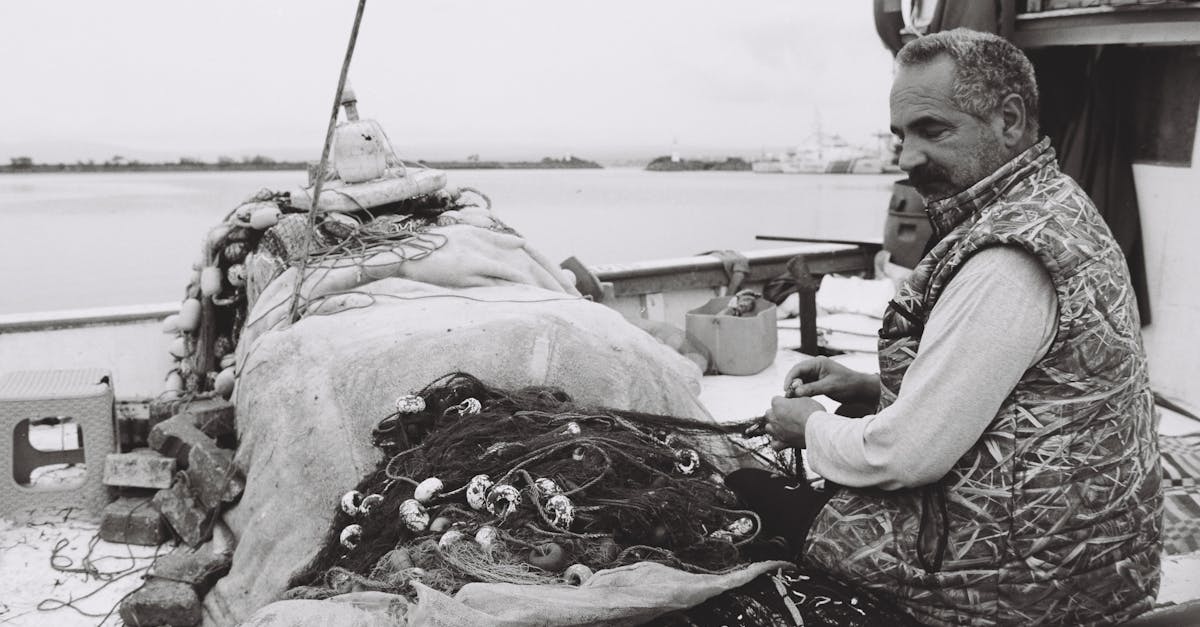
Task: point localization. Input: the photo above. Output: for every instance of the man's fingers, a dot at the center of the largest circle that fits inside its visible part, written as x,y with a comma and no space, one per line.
758,428
807,370
816,388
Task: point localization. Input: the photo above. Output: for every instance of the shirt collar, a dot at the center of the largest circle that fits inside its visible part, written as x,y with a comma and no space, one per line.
947,213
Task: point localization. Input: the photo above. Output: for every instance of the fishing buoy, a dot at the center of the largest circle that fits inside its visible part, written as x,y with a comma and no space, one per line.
428,490
189,316
450,537
236,275
170,324
359,151
410,404
562,511
477,490
369,503
350,536
223,385
241,215
724,535
503,500
228,361
468,407
265,216
179,348
350,502
174,382
193,285
488,537
686,461
414,515
210,281
547,486
439,524
741,527
577,574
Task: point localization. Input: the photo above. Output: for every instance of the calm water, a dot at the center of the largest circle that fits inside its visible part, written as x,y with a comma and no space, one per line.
97,240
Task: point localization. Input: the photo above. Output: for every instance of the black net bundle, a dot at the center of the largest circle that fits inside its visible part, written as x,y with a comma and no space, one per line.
568,490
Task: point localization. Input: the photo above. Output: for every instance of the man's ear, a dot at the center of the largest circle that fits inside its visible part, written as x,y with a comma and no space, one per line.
1014,119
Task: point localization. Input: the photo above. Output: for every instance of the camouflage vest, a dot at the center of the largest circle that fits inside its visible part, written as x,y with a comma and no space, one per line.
1053,517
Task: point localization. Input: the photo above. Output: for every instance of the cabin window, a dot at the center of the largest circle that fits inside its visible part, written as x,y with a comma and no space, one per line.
1166,105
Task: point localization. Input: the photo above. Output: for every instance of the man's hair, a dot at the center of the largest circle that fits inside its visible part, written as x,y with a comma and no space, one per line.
987,69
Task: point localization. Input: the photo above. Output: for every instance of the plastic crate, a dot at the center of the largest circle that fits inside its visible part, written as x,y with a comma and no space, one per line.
30,396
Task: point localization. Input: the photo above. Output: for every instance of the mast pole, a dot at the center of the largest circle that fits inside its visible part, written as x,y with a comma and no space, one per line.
294,313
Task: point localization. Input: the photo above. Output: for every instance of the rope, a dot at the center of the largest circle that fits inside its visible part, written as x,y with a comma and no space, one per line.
337,103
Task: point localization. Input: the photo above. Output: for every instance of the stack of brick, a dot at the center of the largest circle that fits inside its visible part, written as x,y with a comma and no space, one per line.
177,582
189,467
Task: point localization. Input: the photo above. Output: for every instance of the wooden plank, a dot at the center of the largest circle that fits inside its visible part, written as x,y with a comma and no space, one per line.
652,279
73,318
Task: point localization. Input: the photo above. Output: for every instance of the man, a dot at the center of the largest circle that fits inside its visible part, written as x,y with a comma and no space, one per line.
1011,472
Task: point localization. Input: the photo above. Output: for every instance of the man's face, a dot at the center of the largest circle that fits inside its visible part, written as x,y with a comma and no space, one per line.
944,149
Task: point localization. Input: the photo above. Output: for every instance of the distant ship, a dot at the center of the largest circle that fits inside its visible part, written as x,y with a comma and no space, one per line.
828,154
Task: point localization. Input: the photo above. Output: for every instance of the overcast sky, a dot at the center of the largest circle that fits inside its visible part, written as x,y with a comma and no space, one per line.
503,78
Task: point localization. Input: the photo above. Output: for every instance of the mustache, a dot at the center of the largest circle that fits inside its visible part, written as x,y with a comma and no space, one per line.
927,174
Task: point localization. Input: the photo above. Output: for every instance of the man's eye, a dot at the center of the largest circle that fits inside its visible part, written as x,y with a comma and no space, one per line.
935,132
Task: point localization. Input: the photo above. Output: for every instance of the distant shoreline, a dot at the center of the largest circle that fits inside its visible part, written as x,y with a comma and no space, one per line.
675,164
263,164
41,168
570,163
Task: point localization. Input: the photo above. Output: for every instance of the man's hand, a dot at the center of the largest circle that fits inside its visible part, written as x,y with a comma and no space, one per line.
786,419
823,376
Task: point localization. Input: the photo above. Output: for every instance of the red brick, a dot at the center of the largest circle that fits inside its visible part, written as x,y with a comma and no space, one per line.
186,515
200,567
213,416
130,520
175,438
212,475
140,468
162,602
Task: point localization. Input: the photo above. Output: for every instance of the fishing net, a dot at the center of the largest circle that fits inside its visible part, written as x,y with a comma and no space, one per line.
484,485
528,487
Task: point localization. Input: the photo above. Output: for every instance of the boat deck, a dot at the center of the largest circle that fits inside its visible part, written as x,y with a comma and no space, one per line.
56,571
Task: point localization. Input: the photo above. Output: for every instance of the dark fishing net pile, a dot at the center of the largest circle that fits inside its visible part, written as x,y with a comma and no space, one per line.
568,490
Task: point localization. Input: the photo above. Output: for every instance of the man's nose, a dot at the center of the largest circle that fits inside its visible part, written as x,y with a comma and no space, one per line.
911,156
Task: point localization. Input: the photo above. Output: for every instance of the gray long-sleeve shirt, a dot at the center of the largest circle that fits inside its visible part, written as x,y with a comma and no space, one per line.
996,318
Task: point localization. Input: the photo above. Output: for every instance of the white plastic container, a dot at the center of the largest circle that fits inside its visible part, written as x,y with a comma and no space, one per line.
740,345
